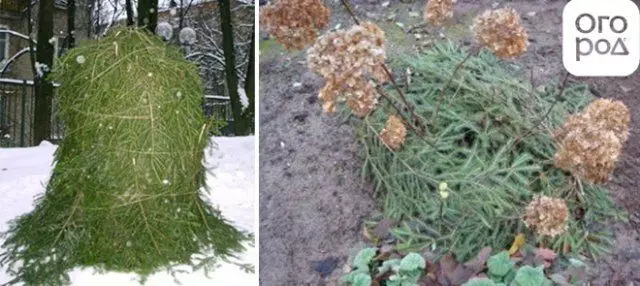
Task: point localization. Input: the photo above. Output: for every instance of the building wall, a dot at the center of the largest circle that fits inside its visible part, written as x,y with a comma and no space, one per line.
16,100
21,68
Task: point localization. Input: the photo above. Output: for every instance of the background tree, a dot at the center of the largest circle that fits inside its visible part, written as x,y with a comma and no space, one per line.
240,123
129,8
71,24
208,51
249,84
44,61
183,13
148,14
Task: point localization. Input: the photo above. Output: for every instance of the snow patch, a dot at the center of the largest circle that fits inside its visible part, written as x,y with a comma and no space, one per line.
244,100
41,69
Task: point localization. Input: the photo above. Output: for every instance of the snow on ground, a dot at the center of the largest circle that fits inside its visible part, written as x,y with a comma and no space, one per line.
25,171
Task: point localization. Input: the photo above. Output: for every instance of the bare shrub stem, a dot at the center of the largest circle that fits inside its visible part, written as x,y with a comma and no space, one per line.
546,114
416,120
444,88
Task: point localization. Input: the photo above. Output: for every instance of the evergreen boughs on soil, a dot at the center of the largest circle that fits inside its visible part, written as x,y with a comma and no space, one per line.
126,193
466,183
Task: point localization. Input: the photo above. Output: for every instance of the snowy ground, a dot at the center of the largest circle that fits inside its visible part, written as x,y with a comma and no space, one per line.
24,172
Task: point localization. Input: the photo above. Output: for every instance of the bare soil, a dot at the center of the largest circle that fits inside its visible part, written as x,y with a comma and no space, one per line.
312,198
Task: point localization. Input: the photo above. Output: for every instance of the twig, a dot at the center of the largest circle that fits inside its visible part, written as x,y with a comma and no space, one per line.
407,80
546,114
385,96
350,11
533,83
580,193
417,26
416,119
404,99
444,88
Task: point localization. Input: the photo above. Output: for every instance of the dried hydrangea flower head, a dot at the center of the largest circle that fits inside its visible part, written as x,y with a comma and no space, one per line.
294,23
501,32
362,99
587,151
591,142
348,59
436,12
547,216
610,115
394,134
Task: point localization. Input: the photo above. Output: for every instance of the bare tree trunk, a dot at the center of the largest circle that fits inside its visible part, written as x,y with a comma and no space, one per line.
44,88
129,7
226,26
89,12
32,54
148,14
153,16
249,86
182,15
143,11
99,10
71,24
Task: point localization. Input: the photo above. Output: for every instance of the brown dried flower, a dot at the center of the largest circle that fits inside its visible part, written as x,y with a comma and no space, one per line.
347,59
394,134
591,142
610,115
294,23
547,216
362,100
586,149
436,12
329,95
501,32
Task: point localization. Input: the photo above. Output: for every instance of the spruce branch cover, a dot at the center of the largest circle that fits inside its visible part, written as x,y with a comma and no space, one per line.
488,150
126,193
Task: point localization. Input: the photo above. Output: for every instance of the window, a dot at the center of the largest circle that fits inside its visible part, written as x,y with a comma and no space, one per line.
4,43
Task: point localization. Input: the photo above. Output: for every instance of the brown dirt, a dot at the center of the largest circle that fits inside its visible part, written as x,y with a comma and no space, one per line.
312,200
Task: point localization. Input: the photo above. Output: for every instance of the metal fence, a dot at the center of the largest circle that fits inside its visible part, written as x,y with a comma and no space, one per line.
219,107
15,115
17,106
17,110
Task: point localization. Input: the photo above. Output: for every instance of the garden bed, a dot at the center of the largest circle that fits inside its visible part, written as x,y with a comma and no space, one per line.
313,201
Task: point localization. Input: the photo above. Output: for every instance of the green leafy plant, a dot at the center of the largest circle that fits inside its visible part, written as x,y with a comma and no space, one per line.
527,266
482,282
394,272
531,276
361,275
501,268
525,276
407,271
